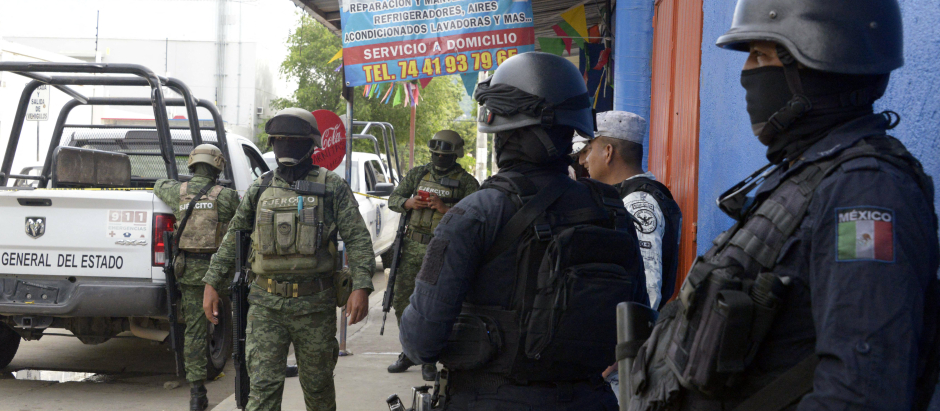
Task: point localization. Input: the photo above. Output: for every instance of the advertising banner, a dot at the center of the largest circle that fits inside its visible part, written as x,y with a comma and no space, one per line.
396,40
333,133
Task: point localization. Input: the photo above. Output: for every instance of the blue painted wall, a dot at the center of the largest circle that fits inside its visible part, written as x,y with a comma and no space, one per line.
728,151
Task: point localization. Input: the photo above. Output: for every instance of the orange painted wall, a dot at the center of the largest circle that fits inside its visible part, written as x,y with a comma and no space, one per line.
674,112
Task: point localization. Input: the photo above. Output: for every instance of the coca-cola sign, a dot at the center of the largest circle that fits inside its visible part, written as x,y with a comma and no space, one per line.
333,132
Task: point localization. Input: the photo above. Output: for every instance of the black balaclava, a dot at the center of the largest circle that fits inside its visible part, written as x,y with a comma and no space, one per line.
292,148
831,95
443,163
204,170
514,147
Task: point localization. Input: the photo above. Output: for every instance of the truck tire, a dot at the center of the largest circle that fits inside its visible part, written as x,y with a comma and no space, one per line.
9,343
219,341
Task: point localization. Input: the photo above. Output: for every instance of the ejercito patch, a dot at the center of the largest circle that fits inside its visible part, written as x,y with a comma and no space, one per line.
864,234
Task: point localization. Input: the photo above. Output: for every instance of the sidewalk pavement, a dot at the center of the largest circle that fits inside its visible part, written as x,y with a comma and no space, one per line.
362,381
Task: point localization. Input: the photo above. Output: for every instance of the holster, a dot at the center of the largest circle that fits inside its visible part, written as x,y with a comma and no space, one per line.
482,338
707,337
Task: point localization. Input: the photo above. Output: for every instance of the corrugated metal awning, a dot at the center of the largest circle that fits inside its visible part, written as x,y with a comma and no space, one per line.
547,13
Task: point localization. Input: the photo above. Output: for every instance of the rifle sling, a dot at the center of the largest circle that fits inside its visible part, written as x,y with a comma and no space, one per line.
189,212
787,389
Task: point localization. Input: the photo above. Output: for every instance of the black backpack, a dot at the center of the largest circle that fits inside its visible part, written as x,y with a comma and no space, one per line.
572,269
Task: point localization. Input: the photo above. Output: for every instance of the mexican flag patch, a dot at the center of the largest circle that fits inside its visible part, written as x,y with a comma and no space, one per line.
865,234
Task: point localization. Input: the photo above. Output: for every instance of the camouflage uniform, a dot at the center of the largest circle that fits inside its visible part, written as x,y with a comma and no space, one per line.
189,271
309,322
412,253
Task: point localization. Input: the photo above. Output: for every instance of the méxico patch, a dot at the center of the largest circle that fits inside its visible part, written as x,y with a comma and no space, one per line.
864,234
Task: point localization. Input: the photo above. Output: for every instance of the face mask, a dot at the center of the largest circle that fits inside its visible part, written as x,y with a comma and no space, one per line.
766,92
443,162
204,170
291,151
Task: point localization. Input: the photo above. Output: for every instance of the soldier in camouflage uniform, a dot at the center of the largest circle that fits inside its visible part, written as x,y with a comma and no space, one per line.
295,214
447,183
199,239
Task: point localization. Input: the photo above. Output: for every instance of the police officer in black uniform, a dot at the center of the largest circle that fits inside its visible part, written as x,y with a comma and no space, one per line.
534,102
841,236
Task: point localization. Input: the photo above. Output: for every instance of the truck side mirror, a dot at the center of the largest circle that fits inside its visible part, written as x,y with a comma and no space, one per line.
382,190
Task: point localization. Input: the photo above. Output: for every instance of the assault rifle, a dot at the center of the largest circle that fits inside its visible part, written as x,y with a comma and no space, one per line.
240,287
393,270
172,302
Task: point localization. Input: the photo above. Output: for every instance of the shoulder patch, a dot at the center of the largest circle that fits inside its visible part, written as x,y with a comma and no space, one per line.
643,211
864,233
433,261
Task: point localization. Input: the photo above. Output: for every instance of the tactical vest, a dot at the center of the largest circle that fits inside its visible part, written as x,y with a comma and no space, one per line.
711,333
203,232
426,220
671,234
572,269
289,229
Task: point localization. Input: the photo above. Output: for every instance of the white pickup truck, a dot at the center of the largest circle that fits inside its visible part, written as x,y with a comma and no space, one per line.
82,240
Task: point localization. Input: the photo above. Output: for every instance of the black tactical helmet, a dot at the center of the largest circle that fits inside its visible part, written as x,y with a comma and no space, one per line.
838,36
294,123
446,142
535,88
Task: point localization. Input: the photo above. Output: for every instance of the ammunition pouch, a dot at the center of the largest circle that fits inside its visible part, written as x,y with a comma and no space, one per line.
289,231
483,338
419,237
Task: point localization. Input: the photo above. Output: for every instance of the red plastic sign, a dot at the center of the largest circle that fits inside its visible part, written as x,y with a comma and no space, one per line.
333,132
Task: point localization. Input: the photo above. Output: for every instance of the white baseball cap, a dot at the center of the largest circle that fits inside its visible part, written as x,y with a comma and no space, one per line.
621,125
577,144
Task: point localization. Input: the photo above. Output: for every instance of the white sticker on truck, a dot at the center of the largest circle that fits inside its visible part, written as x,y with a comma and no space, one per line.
27,259
129,225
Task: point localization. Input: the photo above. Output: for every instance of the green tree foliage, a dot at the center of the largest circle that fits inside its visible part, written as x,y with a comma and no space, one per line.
319,86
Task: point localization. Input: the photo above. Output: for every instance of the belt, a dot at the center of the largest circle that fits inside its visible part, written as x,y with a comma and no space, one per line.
198,256
419,236
291,290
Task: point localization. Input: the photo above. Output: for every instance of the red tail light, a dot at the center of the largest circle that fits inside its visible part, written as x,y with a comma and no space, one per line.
161,224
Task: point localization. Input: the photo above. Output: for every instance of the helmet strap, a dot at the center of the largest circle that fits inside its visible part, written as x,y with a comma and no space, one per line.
796,107
543,137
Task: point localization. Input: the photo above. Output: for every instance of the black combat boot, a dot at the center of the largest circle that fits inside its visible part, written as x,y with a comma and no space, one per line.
197,397
401,365
429,372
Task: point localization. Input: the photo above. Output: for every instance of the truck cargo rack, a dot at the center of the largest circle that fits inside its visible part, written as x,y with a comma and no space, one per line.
141,76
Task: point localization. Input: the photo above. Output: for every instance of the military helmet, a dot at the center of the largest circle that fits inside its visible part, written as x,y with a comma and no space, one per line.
294,122
207,154
446,142
535,88
838,36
